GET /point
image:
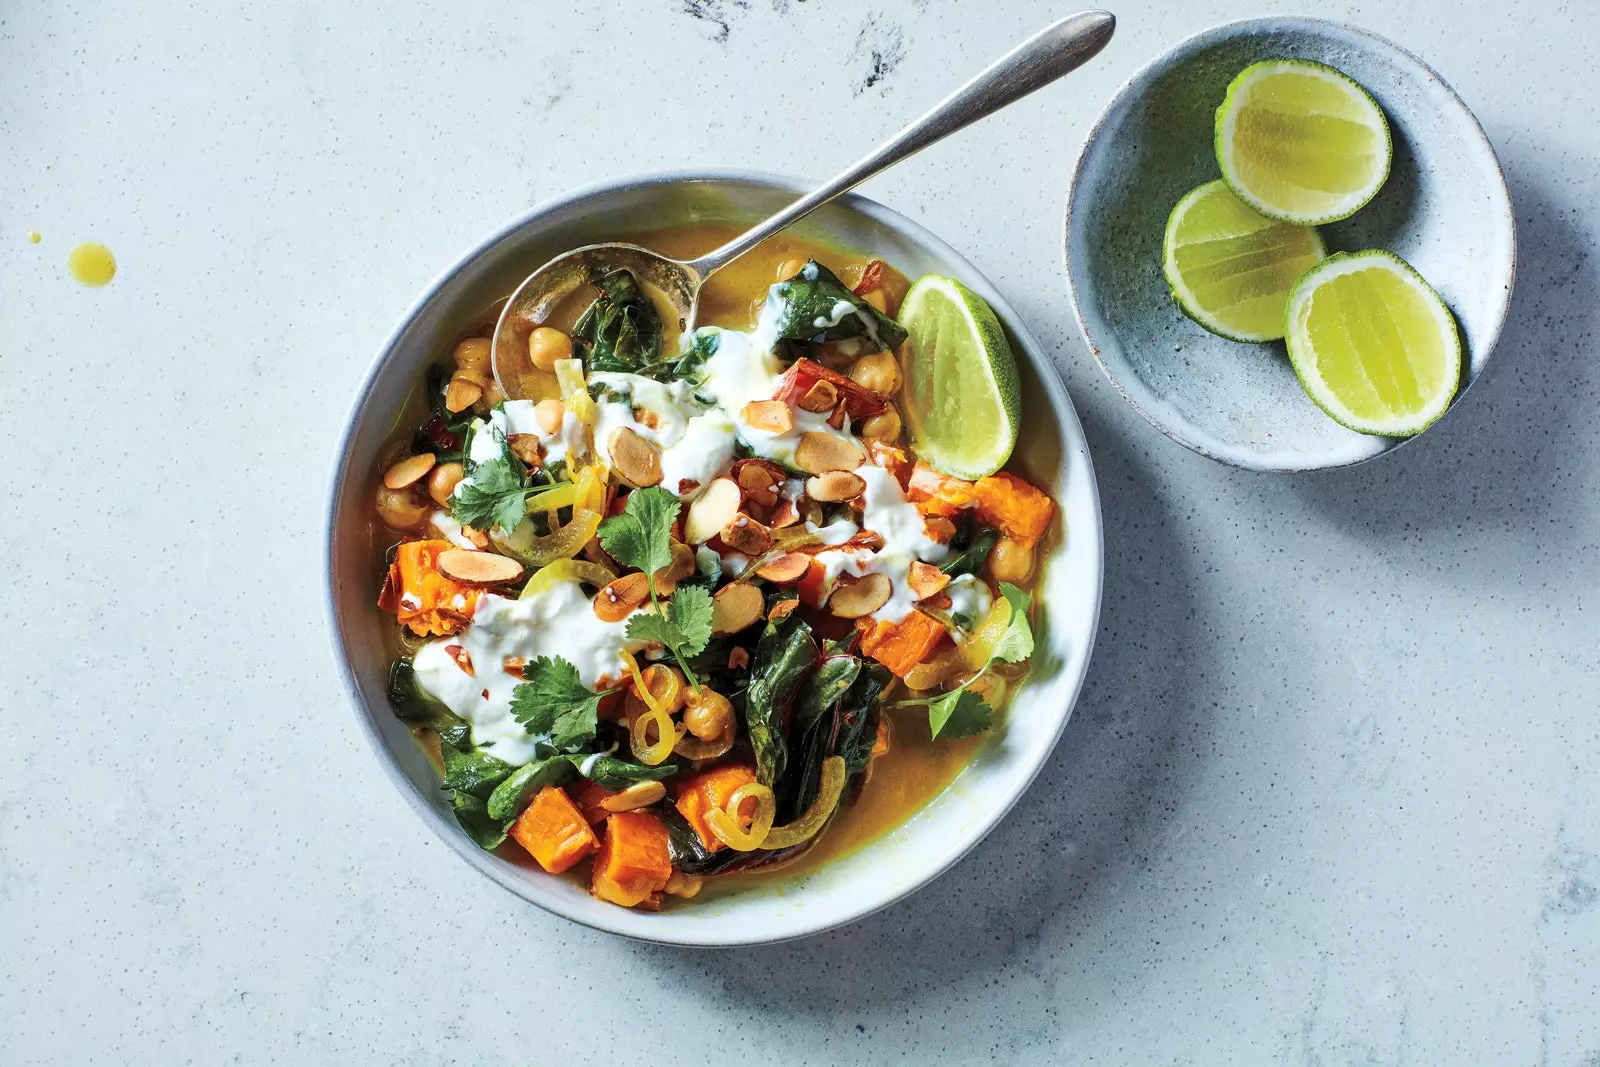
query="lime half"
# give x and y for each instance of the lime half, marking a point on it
(1373, 344)
(961, 395)
(1231, 269)
(1301, 142)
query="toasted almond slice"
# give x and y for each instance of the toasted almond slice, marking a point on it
(782, 609)
(513, 665)
(822, 396)
(789, 567)
(461, 394)
(637, 795)
(835, 487)
(759, 480)
(738, 658)
(736, 606)
(851, 600)
(711, 511)
(819, 453)
(746, 535)
(476, 536)
(772, 416)
(462, 658)
(925, 579)
(784, 513)
(939, 528)
(408, 470)
(622, 597)
(681, 567)
(478, 568)
(525, 446)
(635, 459)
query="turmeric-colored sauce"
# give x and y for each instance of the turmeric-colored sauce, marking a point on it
(92, 264)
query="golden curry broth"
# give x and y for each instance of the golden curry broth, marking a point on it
(916, 768)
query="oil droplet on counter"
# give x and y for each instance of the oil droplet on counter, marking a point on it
(92, 264)
(34, 237)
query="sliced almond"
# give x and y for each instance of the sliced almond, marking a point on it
(622, 597)
(638, 795)
(635, 459)
(835, 487)
(711, 511)
(760, 480)
(525, 446)
(819, 453)
(681, 567)
(925, 579)
(513, 665)
(746, 535)
(476, 536)
(822, 396)
(736, 606)
(408, 470)
(772, 416)
(851, 600)
(782, 609)
(784, 513)
(595, 552)
(789, 567)
(478, 568)
(939, 528)
(650, 420)
(462, 659)
(738, 658)
(461, 394)
(687, 486)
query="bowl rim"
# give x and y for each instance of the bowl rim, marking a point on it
(1058, 400)
(1182, 430)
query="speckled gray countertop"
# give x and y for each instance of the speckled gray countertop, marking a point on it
(1331, 796)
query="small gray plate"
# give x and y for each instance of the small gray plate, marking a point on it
(1444, 209)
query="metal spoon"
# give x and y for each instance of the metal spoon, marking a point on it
(1041, 59)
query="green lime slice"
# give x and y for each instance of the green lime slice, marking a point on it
(1229, 268)
(1301, 142)
(1373, 344)
(961, 396)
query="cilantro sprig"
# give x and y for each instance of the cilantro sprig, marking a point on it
(496, 491)
(641, 537)
(963, 713)
(553, 701)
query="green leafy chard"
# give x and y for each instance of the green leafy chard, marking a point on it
(621, 331)
(784, 655)
(812, 729)
(815, 306)
(472, 772)
(963, 713)
(608, 772)
(515, 793)
(970, 548)
(473, 816)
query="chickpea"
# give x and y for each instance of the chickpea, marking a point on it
(443, 481)
(546, 345)
(550, 414)
(884, 426)
(1010, 561)
(473, 355)
(401, 509)
(707, 714)
(789, 268)
(878, 372)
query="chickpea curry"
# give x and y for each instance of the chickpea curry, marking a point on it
(699, 609)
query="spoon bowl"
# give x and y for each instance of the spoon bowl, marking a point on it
(1055, 51)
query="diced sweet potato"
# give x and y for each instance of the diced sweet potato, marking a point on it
(1016, 508)
(422, 598)
(938, 494)
(587, 795)
(810, 586)
(901, 645)
(711, 790)
(633, 862)
(554, 831)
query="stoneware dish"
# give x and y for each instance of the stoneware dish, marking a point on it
(1052, 452)
(1444, 209)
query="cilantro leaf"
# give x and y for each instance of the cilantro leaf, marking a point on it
(691, 614)
(1016, 641)
(961, 713)
(648, 626)
(494, 495)
(553, 701)
(641, 536)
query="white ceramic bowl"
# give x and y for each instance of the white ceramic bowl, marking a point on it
(1052, 453)
(1444, 209)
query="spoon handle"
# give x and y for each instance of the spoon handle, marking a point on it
(1052, 52)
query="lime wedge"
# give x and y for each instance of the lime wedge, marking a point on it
(1301, 142)
(1373, 345)
(1229, 268)
(961, 395)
